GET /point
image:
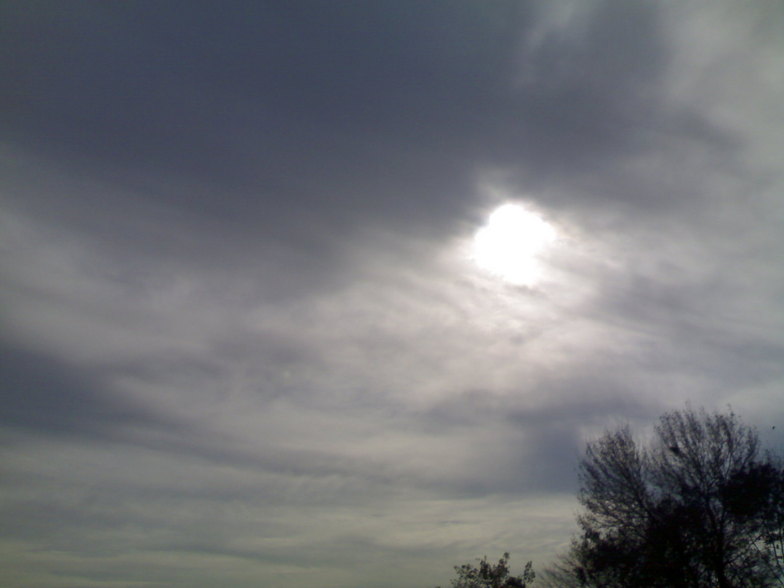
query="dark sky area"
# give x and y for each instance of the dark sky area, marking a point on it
(244, 338)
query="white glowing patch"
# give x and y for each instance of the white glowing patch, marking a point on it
(508, 245)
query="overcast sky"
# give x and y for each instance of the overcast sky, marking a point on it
(245, 341)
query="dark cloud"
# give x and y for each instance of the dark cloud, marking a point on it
(277, 115)
(47, 395)
(342, 113)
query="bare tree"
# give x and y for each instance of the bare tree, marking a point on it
(755, 496)
(679, 512)
(696, 457)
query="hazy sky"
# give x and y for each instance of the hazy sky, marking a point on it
(244, 341)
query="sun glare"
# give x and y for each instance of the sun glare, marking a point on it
(509, 244)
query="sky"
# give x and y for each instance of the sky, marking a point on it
(245, 339)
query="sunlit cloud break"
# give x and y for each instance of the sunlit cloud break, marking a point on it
(510, 243)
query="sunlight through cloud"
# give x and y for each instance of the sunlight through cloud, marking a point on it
(509, 244)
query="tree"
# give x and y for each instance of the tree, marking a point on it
(487, 575)
(755, 495)
(691, 510)
(560, 574)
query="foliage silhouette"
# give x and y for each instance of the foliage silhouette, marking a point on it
(697, 508)
(487, 575)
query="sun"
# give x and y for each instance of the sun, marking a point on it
(510, 243)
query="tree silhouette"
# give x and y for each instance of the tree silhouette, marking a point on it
(487, 575)
(697, 508)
